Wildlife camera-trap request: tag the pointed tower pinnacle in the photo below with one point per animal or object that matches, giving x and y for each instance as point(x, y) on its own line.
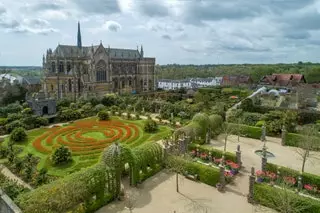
point(141, 51)
point(79, 43)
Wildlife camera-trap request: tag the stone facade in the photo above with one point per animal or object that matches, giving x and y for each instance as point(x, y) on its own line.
point(73, 71)
point(41, 105)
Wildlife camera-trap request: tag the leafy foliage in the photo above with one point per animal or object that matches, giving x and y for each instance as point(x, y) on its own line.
point(61, 155)
point(103, 115)
point(11, 188)
point(150, 126)
point(18, 135)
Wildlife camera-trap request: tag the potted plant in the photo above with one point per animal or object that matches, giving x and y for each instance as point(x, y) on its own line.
point(260, 176)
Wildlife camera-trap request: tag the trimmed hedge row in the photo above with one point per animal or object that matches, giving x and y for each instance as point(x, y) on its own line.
point(246, 131)
point(214, 152)
point(207, 174)
point(307, 178)
point(269, 196)
point(293, 139)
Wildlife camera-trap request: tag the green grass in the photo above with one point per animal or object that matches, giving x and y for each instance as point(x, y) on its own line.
point(83, 161)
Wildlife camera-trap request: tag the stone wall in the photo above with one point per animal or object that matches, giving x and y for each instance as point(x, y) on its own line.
point(7, 205)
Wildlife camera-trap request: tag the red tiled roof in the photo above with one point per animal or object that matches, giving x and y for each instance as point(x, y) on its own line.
point(283, 79)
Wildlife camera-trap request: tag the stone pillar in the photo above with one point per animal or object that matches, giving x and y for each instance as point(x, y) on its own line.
point(238, 156)
point(252, 179)
point(222, 177)
point(263, 163)
point(299, 188)
point(283, 136)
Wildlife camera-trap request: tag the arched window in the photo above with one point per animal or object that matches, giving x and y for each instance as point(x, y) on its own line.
point(70, 85)
point(51, 87)
point(150, 85)
point(115, 83)
point(123, 83)
point(53, 67)
point(61, 67)
point(130, 82)
point(101, 74)
point(68, 66)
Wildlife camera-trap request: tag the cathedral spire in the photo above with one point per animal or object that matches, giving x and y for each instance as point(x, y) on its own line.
point(79, 43)
point(141, 51)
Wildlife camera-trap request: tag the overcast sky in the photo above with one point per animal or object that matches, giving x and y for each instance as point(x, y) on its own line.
point(173, 31)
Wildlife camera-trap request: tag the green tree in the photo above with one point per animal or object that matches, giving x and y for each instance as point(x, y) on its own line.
point(18, 135)
point(61, 155)
point(150, 126)
point(103, 115)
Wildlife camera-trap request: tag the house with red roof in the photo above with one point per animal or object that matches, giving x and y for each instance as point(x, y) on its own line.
point(236, 80)
point(283, 80)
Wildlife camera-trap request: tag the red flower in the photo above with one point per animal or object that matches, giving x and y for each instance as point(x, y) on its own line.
point(228, 174)
point(260, 173)
point(308, 187)
point(271, 175)
point(290, 180)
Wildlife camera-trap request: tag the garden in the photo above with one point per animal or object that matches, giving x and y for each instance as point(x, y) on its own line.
point(85, 139)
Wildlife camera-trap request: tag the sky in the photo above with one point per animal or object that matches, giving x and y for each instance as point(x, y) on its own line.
point(172, 31)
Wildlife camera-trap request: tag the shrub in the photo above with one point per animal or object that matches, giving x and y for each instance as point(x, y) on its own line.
point(150, 126)
point(69, 114)
point(251, 118)
point(103, 115)
point(247, 131)
point(214, 152)
point(14, 117)
point(40, 121)
point(99, 108)
point(11, 187)
point(3, 121)
point(247, 105)
point(207, 174)
point(61, 155)
point(265, 195)
point(27, 111)
point(260, 123)
point(18, 134)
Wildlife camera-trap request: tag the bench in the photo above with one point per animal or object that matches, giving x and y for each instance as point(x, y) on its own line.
point(189, 176)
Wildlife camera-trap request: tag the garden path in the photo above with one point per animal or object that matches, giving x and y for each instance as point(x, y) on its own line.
point(158, 195)
point(284, 155)
point(5, 171)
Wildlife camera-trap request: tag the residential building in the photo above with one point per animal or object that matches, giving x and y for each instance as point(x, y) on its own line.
point(236, 80)
point(283, 80)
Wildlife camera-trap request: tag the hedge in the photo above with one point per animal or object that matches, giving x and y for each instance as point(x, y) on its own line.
point(214, 152)
point(207, 174)
point(67, 193)
point(293, 139)
point(266, 195)
point(307, 178)
point(246, 131)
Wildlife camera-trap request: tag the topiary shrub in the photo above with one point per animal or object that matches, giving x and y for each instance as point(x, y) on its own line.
point(18, 134)
point(3, 121)
point(61, 155)
point(150, 126)
point(103, 115)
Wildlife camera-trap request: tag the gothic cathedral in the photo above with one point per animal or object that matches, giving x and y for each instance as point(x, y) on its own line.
point(73, 71)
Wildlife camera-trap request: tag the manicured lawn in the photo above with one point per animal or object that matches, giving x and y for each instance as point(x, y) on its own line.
point(86, 139)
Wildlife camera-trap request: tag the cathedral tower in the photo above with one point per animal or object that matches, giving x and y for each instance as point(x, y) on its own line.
point(79, 43)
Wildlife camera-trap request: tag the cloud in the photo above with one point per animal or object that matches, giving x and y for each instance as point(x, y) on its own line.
point(104, 7)
point(166, 37)
point(49, 5)
point(154, 8)
point(112, 26)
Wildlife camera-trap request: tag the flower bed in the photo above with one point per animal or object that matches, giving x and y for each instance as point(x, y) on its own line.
point(292, 182)
point(73, 136)
point(231, 168)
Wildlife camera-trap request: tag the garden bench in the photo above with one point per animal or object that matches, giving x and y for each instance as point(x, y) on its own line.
point(193, 177)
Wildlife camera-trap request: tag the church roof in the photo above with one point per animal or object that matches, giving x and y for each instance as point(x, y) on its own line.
point(74, 51)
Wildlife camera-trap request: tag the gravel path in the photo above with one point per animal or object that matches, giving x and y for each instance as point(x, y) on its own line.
point(4, 170)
